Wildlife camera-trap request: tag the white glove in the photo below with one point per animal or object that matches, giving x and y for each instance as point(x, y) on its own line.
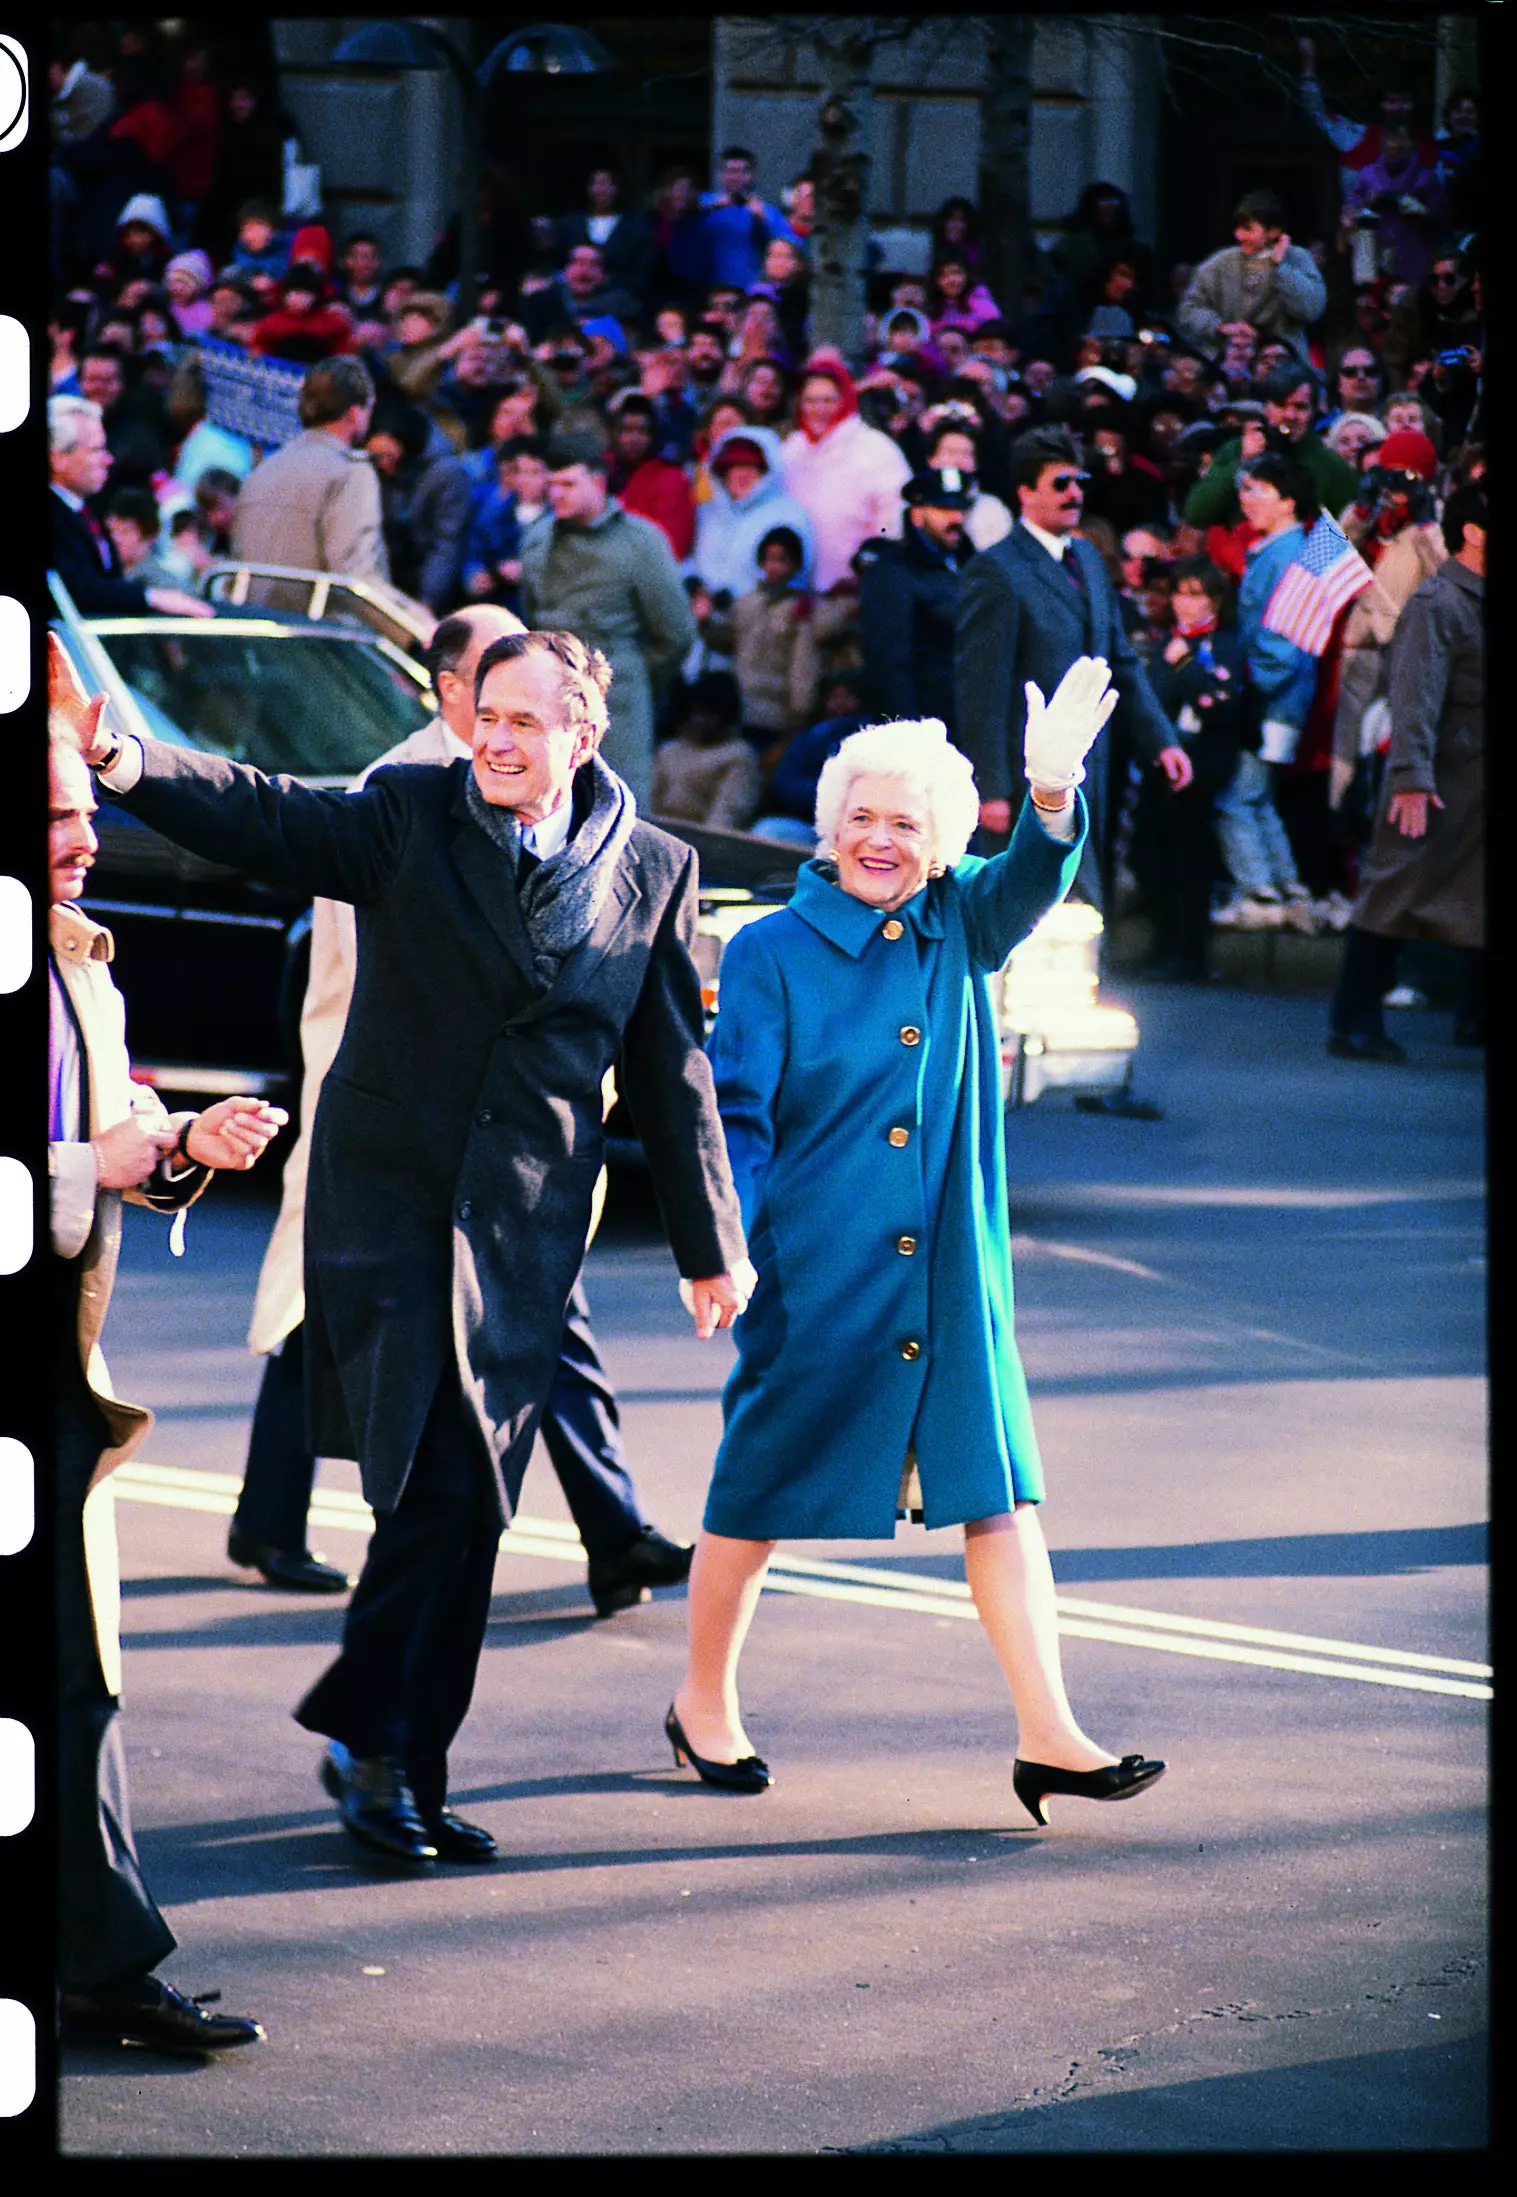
point(1061, 733)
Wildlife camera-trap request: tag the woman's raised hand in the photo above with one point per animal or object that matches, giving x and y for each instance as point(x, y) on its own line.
point(1061, 732)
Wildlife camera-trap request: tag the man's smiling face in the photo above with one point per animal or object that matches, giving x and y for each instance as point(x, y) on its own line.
point(526, 749)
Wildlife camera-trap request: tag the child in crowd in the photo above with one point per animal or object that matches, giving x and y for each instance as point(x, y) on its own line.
point(504, 506)
point(770, 634)
point(1199, 679)
point(259, 249)
point(708, 773)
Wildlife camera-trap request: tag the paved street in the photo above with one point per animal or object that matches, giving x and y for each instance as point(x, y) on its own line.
point(1255, 1336)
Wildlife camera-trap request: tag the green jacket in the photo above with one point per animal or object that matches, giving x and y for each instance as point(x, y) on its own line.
point(1214, 499)
point(616, 585)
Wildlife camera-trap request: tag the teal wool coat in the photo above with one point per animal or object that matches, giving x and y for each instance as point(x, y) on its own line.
point(882, 1319)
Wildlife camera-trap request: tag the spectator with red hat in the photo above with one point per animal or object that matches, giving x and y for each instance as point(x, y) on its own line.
point(847, 477)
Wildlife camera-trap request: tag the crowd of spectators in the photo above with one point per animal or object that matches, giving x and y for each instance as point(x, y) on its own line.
point(635, 432)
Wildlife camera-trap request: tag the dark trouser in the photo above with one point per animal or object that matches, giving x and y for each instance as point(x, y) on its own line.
point(580, 1428)
point(108, 1925)
point(416, 1623)
point(1369, 972)
point(1186, 866)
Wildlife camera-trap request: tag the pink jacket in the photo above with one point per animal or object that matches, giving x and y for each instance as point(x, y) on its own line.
point(849, 486)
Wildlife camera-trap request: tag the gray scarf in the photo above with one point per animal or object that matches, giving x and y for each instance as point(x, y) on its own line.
point(563, 896)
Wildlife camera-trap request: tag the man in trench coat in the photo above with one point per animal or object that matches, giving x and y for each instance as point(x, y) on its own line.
point(518, 930)
point(1424, 876)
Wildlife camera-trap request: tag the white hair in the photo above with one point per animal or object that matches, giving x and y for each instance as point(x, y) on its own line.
point(1377, 429)
point(64, 417)
point(914, 749)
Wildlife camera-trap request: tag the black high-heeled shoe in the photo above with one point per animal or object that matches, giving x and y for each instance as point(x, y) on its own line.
point(748, 1776)
point(1032, 1782)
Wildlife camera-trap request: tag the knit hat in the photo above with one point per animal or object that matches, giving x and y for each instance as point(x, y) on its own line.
point(1408, 451)
point(197, 264)
point(312, 243)
point(739, 450)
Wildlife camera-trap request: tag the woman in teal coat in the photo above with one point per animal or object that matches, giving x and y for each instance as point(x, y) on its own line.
point(857, 1067)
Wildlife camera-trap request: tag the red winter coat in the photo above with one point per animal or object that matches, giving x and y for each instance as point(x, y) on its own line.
point(658, 490)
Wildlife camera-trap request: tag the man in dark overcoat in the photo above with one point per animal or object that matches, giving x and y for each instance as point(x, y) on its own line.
point(1028, 606)
point(1425, 873)
point(908, 596)
point(518, 930)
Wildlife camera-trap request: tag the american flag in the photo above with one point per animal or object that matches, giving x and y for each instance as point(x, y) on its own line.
point(1327, 573)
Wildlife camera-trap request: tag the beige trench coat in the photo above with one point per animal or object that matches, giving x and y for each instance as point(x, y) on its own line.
point(1411, 557)
point(82, 953)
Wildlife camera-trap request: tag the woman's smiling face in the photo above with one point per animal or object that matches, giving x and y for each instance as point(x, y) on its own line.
point(885, 842)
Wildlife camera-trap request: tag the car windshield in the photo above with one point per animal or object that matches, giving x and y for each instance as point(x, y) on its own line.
point(317, 706)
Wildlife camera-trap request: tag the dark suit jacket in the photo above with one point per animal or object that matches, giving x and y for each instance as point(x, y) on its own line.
point(626, 255)
point(458, 1136)
point(94, 581)
point(1021, 618)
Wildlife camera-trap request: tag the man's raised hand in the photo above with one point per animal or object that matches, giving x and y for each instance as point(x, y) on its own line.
point(71, 709)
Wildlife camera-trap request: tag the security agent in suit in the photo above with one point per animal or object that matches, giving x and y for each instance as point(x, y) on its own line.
point(580, 1425)
point(109, 1138)
point(908, 599)
point(82, 553)
point(1027, 608)
point(518, 930)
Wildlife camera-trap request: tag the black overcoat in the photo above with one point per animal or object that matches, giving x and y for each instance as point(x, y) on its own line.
point(458, 1136)
point(1020, 617)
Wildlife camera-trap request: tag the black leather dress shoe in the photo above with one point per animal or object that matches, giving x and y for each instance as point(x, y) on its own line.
point(152, 2013)
point(376, 1807)
point(456, 1840)
point(652, 1561)
point(297, 1569)
point(1358, 1046)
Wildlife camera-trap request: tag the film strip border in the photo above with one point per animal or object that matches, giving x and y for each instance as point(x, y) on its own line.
point(27, 1867)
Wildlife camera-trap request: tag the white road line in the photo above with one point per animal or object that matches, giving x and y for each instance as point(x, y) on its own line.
point(916, 1593)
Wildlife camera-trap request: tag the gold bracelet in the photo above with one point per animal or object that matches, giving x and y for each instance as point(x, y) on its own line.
point(1049, 808)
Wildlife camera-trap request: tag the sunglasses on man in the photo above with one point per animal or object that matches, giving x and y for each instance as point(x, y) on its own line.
point(1443, 278)
point(1063, 482)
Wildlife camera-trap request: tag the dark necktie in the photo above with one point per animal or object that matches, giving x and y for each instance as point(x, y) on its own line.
point(1072, 572)
point(526, 863)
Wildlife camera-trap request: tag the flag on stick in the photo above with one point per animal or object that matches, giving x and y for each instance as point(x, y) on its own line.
point(1326, 573)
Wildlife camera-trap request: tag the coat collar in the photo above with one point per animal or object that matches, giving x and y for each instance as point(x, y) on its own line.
point(850, 924)
point(74, 938)
point(1461, 576)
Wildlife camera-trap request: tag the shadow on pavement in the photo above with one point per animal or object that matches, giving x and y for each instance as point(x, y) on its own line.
point(1433, 2097)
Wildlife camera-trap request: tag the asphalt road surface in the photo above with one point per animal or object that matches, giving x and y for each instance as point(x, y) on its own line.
point(1255, 1334)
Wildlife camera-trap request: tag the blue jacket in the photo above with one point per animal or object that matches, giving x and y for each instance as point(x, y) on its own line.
point(1283, 676)
point(736, 239)
point(882, 1319)
point(728, 532)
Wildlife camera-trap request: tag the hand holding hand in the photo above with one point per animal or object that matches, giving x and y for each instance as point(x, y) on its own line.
point(1061, 732)
point(233, 1132)
point(717, 1300)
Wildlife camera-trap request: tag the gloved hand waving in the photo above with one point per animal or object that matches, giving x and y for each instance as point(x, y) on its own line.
point(1061, 732)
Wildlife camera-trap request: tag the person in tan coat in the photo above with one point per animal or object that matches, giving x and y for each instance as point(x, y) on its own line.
point(1400, 539)
point(314, 505)
point(770, 634)
point(108, 1139)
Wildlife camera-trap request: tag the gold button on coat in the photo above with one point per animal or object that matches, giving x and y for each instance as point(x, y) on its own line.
point(905, 1245)
point(898, 1137)
point(893, 929)
point(911, 1035)
point(910, 1350)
